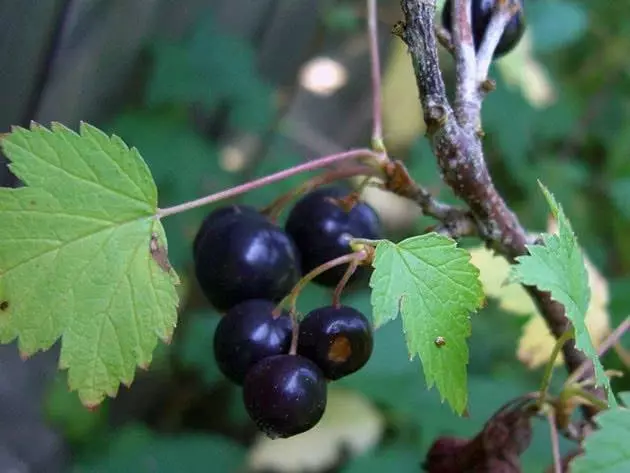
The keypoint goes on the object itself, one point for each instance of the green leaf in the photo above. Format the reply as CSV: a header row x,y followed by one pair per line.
x,y
558,266
606,450
185,166
76,259
137,449
435,287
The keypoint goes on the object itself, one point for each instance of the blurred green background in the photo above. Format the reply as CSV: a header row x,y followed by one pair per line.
x,y
216,93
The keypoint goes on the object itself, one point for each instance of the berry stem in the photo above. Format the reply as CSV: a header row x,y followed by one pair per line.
x,y
352,267
375,63
263,181
295,333
291,298
274,209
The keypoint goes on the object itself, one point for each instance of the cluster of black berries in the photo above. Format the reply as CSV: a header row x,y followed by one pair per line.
x,y
481,15
245,265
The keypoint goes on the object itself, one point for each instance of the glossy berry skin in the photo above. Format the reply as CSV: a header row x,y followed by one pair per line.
x,y
322,230
248,333
240,255
285,395
339,340
222,216
481,15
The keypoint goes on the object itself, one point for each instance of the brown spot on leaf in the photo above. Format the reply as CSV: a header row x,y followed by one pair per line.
x,y
159,253
4,306
340,350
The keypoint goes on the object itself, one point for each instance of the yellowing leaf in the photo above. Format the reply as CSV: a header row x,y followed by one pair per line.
x,y
350,425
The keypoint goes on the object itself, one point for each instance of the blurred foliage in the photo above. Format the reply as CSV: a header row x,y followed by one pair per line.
x,y
206,120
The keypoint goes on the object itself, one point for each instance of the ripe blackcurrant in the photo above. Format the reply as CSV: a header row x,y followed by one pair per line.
x,y
222,216
248,333
240,255
285,395
322,230
481,15
338,339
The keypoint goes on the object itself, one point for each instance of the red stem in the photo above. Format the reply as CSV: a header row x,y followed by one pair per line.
x,y
274,209
352,267
375,62
263,181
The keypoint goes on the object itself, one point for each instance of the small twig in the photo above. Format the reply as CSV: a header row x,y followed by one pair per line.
x,y
466,92
455,222
606,345
555,444
264,181
502,15
375,62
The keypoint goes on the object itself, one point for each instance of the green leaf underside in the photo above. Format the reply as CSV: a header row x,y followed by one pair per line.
x,y
434,286
558,266
75,259
606,449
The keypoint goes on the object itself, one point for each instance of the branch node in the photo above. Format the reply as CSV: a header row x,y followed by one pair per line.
x,y
399,30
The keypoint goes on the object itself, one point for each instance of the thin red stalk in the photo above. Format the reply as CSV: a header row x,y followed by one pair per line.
x,y
352,267
291,298
377,107
263,181
273,210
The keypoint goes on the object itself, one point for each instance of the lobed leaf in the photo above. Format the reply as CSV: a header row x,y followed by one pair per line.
x,y
434,286
558,266
82,256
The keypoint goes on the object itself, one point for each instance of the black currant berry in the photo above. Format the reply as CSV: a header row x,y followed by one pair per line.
x,y
285,395
248,333
338,339
481,15
240,255
322,230
222,216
